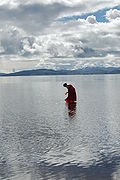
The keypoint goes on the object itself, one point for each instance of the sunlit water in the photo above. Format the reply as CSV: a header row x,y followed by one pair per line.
x,y
41,137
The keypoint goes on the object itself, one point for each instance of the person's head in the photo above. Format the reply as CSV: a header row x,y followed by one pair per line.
x,y
65,85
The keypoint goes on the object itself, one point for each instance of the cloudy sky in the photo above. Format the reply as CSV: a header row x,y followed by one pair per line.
x,y
59,34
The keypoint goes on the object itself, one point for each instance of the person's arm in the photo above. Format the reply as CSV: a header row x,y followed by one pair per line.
x,y
66,93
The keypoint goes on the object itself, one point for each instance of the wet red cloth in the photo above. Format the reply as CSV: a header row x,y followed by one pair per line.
x,y
71,94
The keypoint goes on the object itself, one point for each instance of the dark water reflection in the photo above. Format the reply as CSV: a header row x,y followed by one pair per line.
x,y
41,137
71,108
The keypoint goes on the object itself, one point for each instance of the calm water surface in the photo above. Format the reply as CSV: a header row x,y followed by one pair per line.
x,y
43,138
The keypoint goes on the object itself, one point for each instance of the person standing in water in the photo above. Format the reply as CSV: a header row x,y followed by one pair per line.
x,y
71,93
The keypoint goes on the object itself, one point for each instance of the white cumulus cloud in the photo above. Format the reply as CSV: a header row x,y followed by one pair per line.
x,y
112,14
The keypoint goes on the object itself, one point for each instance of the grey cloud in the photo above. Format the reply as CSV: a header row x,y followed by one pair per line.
x,y
10,41
13,42
59,46
91,19
32,18
36,16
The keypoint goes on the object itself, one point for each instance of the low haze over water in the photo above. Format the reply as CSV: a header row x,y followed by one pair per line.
x,y
43,138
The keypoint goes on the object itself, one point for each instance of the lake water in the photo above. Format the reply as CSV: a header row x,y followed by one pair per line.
x,y
43,138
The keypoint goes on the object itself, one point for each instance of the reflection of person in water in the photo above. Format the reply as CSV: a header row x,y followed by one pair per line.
x,y
71,93
72,109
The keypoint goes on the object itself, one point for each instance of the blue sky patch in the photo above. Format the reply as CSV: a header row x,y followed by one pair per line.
x,y
100,15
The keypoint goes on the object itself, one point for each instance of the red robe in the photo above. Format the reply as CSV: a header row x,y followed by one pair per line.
x,y
71,94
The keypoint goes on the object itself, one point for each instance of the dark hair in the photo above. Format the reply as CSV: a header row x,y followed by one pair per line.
x,y
65,84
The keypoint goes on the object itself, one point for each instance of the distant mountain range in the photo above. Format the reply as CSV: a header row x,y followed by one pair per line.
x,y
87,70
2,74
